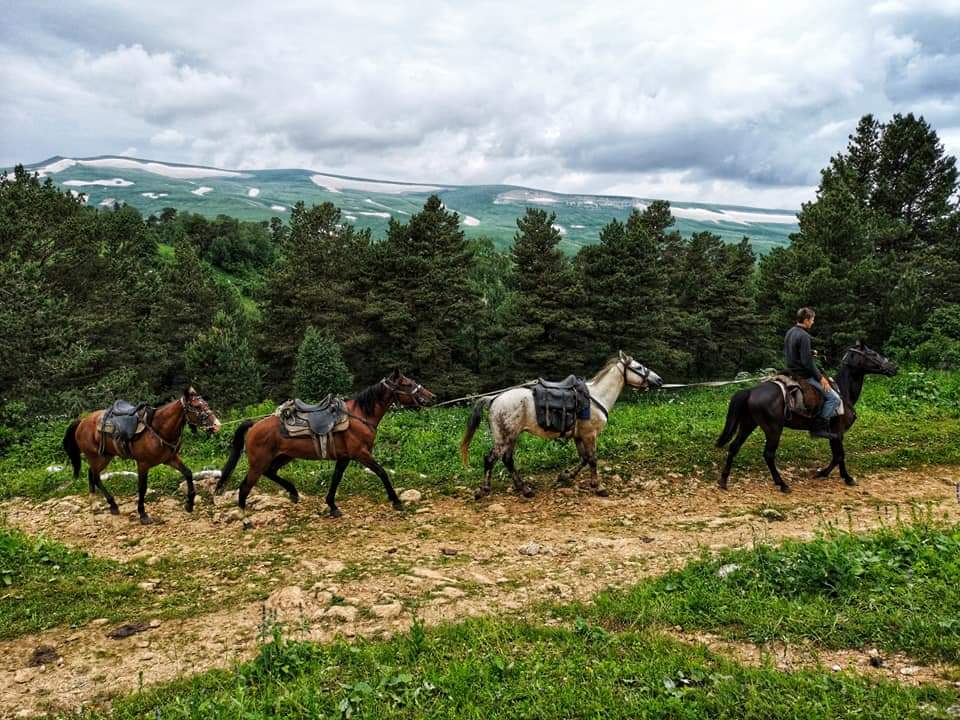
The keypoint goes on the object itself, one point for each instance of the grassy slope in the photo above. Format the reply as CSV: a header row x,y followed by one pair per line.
x,y
909,420
489,668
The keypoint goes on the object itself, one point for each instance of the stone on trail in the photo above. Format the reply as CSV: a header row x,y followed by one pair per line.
x,y
344,613
531,549
387,610
428,574
128,629
411,496
452,592
496,509
285,600
448,551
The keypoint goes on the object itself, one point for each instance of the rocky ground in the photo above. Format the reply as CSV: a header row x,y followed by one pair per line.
x,y
373,571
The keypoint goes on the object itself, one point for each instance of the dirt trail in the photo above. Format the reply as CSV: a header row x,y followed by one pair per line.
x,y
372,571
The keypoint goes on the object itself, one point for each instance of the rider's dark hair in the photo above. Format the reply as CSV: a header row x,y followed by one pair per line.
x,y
805,313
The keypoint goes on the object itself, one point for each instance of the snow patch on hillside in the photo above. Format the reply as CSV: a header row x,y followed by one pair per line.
x,y
202,190
336,184
375,214
559,228
253,192
113,182
180,172
154,196
278,208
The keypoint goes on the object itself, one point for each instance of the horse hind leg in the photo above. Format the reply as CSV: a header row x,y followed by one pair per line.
x,y
770,456
836,450
489,461
520,485
738,441
271,473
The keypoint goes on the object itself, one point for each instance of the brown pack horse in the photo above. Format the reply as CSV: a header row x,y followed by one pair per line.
x,y
158,444
268,450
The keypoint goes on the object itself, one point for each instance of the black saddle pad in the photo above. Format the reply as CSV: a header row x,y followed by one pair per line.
x,y
122,407
560,404
122,419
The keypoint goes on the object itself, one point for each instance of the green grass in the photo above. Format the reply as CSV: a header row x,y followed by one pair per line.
x,y
488,669
907,421
44,584
895,589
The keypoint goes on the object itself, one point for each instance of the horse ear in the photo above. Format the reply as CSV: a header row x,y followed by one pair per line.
x,y
395,374
860,343
623,357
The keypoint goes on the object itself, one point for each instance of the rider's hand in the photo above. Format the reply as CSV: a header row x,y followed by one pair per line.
x,y
826,383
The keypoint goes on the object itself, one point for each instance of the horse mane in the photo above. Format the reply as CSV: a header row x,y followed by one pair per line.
x,y
606,366
367,398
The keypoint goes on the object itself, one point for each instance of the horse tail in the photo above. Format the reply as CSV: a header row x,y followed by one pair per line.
x,y
71,447
472,424
738,404
239,438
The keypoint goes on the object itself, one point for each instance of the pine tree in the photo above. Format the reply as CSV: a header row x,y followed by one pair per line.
x,y
628,284
221,362
422,303
545,330
319,280
320,368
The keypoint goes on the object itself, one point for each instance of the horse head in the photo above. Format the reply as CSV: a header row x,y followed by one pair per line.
x,y
637,375
198,411
407,391
868,361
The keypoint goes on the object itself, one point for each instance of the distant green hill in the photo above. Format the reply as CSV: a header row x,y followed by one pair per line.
x,y
486,210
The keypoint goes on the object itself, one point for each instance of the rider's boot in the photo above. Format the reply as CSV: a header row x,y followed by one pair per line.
x,y
821,429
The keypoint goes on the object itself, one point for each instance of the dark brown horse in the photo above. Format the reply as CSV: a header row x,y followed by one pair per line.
x,y
158,444
763,406
268,450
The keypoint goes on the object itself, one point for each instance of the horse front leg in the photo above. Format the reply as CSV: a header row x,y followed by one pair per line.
x,y
836,450
142,470
571,475
334,484
177,464
590,448
368,462
841,456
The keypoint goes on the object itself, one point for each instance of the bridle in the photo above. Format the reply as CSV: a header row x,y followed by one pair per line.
x,y
645,375
397,390
200,416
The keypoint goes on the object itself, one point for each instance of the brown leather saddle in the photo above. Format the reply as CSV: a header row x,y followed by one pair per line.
x,y
298,419
799,396
123,422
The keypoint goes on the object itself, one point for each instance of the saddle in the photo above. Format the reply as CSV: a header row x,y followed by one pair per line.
x,y
299,419
799,396
123,421
560,404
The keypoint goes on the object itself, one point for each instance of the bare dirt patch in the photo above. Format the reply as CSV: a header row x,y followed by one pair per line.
x,y
371,572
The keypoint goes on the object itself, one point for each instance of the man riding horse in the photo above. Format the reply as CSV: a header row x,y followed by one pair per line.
x,y
799,358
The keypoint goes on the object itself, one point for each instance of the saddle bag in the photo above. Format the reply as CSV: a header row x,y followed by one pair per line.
x,y
559,405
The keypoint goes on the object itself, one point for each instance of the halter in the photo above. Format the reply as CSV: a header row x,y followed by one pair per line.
x,y
397,390
645,375
200,416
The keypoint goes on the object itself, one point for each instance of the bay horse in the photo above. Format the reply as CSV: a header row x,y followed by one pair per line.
x,y
268,451
512,413
158,444
763,406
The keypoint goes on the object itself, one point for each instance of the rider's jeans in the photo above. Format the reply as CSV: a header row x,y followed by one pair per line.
x,y
831,400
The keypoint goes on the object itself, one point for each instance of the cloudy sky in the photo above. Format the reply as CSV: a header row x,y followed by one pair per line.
x,y
717,102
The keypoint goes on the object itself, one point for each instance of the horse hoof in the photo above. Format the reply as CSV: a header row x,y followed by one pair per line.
x,y
114,510
722,484
146,519
188,506
528,492
247,525
785,489
335,512
479,494
850,481
397,505
601,492
294,498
